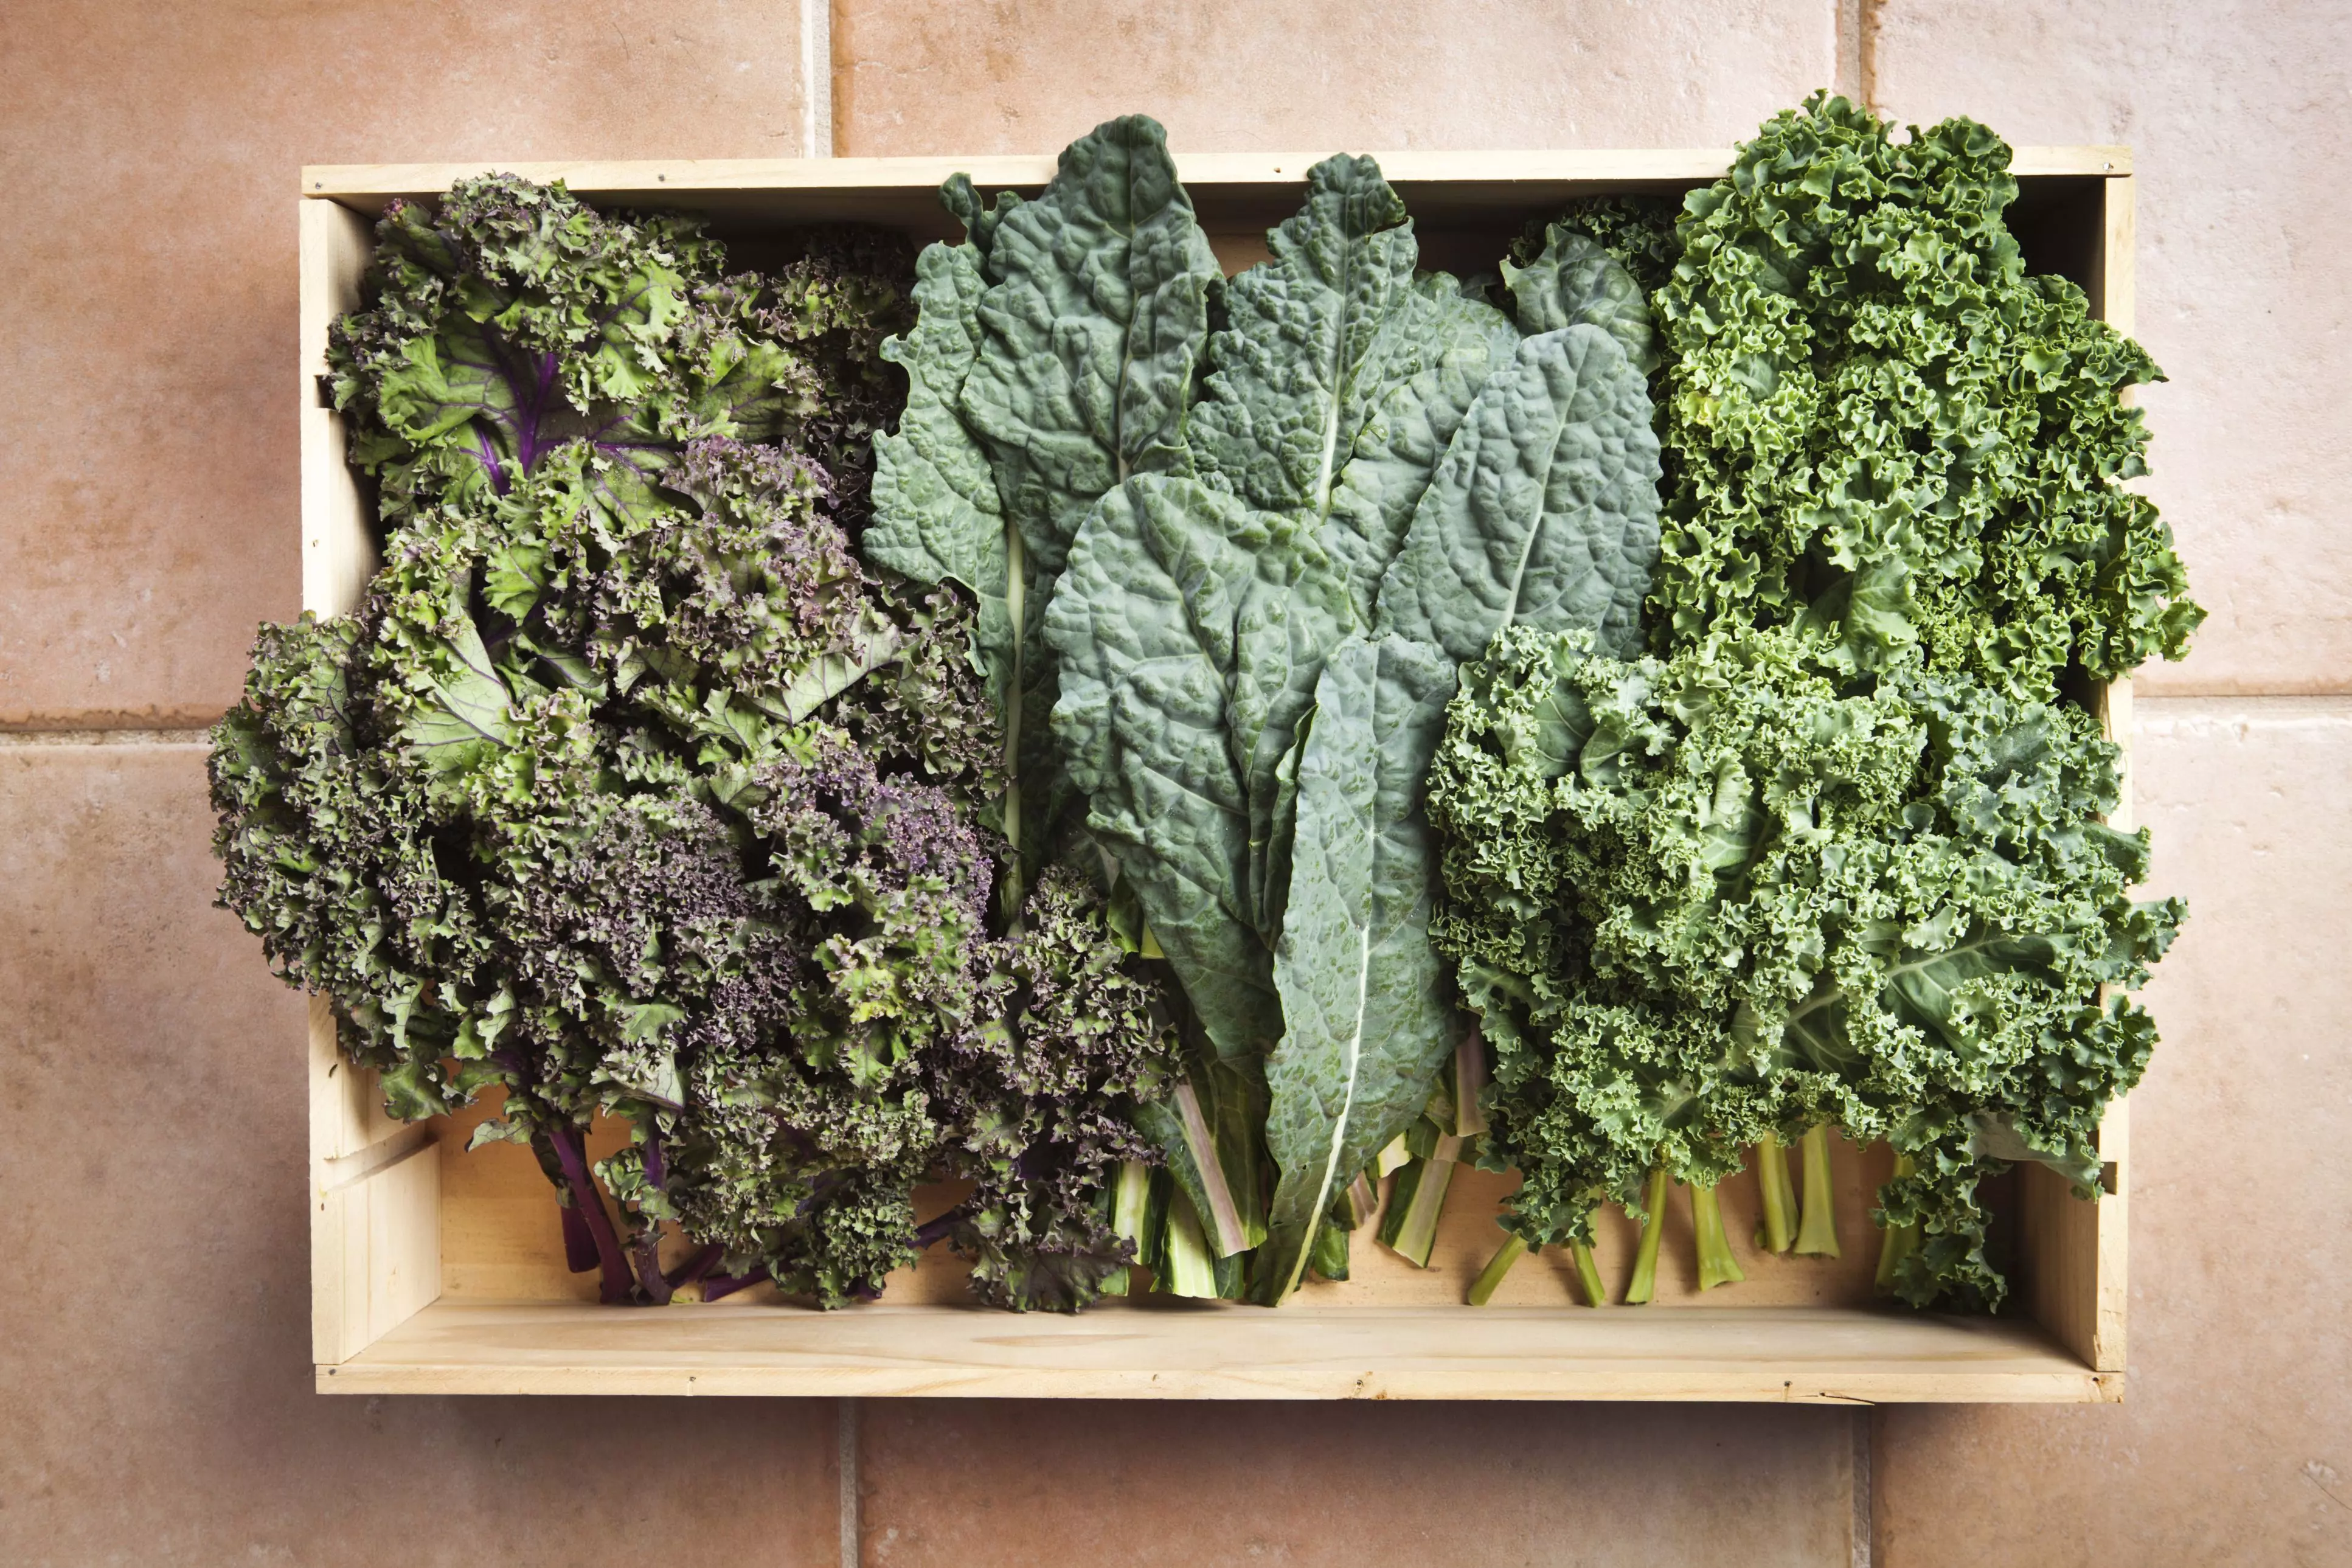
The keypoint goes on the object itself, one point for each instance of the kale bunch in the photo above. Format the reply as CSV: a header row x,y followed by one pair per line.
x,y
629,790
1705,902
1883,427
1835,855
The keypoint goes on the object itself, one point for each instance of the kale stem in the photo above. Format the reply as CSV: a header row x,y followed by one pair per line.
x,y
645,1250
572,1156
1588,1274
1817,1232
1482,1289
696,1267
1016,586
1901,1241
1191,1269
1417,1200
1716,1264
725,1285
1780,1197
933,1231
1644,1283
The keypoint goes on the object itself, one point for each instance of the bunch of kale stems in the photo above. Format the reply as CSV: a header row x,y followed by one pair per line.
x,y
1232,739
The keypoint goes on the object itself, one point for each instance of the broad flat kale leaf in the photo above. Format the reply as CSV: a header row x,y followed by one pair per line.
x,y
1544,512
1365,1007
1342,372
1573,281
1091,327
1050,360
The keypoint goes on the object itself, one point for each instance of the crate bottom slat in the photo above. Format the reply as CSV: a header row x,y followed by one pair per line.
x,y
1178,1351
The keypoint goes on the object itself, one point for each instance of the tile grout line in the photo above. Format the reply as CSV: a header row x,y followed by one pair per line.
x,y
109,735
1864,1529
852,1539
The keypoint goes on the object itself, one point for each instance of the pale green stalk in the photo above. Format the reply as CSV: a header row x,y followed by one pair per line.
x,y
1716,1264
1901,1241
1588,1274
1411,1230
1779,1229
1817,1232
1131,1213
1482,1289
1191,1271
1644,1283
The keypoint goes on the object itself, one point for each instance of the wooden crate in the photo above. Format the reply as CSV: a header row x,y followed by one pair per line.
x,y
434,1270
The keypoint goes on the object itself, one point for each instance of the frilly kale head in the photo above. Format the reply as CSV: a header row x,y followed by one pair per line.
x,y
1878,424
665,807
510,320
1703,899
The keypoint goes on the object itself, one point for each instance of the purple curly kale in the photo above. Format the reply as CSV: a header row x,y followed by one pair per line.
x,y
629,792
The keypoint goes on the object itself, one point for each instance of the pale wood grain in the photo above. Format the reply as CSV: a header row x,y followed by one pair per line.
x,y
1210,1351
437,1270
1434,184
2074,1254
375,1251
338,547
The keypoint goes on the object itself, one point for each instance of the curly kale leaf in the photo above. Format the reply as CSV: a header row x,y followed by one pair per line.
x,y
1706,897
1883,426
513,321
673,811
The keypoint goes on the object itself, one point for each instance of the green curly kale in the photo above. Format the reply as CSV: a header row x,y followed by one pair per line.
x,y
1705,899
629,790
1881,425
1836,858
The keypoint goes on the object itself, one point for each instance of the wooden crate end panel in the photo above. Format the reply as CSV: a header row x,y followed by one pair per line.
x,y
376,1250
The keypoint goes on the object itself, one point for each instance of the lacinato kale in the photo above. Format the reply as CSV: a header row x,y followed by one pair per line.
x,y
629,790
1236,534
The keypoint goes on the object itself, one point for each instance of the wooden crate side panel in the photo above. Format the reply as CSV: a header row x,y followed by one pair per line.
x,y
375,1216
338,549
2076,1255
681,179
379,1234
1171,1351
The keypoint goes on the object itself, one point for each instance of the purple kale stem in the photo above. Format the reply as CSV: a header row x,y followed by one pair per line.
x,y
572,1155
650,1278
579,1245
534,411
696,1267
726,1285
488,455
933,1232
